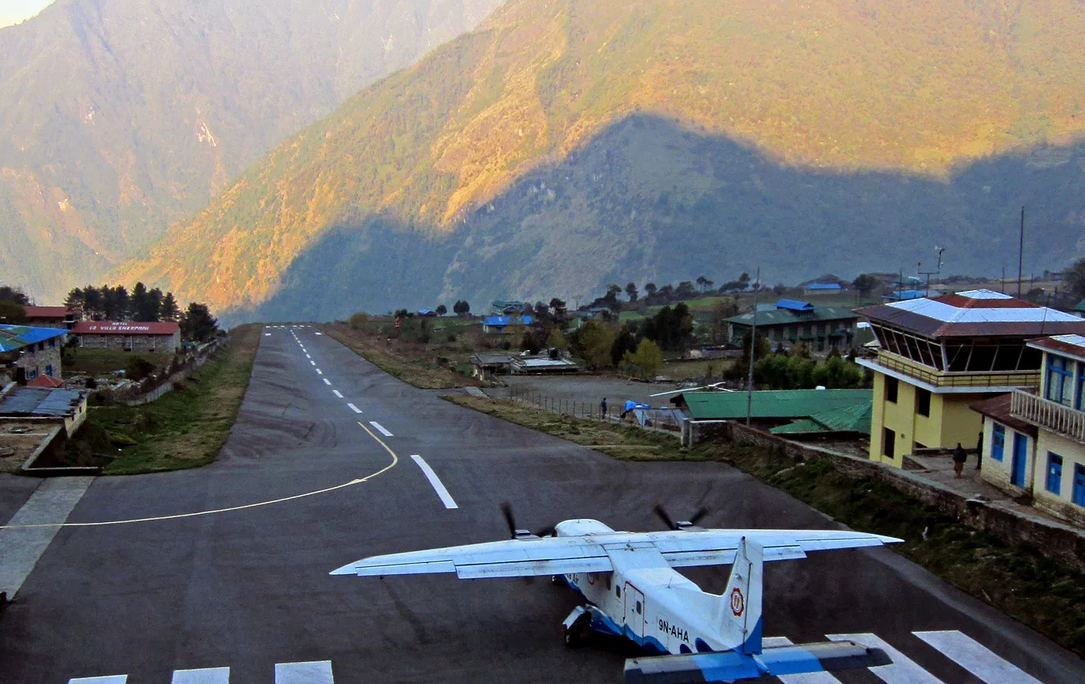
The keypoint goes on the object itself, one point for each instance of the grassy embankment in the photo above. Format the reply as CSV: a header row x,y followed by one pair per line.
x,y
101,362
184,428
1016,580
427,365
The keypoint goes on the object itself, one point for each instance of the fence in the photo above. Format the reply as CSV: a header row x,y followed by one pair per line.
x,y
154,387
668,419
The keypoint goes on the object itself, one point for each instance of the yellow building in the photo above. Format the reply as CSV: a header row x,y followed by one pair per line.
x,y
939,355
1034,443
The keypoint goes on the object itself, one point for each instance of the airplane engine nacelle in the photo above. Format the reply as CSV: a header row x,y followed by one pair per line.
x,y
580,527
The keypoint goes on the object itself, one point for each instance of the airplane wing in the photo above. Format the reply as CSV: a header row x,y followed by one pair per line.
x,y
510,558
588,553
689,548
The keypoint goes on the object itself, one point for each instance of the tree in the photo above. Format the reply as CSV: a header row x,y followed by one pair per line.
x,y
13,294
74,300
685,290
1073,280
197,324
631,291
144,306
12,313
720,313
650,289
645,361
555,340
865,284
169,311
358,320
611,296
744,280
461,308
441,309
558,310
779,289
116,303
594,340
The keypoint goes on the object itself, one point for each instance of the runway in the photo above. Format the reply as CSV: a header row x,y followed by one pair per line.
x,y
220,574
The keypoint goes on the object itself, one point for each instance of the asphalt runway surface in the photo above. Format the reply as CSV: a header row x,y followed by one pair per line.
x,y
303,486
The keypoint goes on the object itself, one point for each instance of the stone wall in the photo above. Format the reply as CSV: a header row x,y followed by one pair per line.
x,y
37,362
1060,542
141,343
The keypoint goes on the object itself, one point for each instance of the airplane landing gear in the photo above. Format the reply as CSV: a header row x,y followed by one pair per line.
x,y
577,628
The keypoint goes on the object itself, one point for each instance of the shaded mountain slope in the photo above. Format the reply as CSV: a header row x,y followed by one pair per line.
x,y
846,87
120,117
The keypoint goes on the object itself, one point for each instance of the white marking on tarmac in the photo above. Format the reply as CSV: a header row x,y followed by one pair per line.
x,y
327,382
976,658
308,357
319,372
312,362
336,393
435,482
354,408
902,671
110,679
207,675
316,672
381,428
49,505
805,678
319,334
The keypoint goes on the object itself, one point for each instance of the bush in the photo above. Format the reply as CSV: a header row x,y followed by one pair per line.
x,y
358,320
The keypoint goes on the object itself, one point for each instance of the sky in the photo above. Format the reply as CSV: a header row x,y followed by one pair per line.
x,y
14,11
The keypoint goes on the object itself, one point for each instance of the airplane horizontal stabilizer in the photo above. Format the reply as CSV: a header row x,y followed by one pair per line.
x,y
729,666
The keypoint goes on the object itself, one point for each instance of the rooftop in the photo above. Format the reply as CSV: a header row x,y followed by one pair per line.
x,y
13,337
40,401
47,311
1068,345
974,313
790,311
125,328
850,418
774,404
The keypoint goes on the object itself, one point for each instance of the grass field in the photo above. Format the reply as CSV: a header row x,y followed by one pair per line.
x,y
100,362
416,363
185,428
1016,580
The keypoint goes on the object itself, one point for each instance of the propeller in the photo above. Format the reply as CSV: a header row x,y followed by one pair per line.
x,y
518,532
681,524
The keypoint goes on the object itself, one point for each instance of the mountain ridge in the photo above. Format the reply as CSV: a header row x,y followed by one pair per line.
x,y
844,87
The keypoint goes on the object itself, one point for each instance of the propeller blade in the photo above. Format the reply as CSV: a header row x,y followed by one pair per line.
x,y
659,510
699,515
506,510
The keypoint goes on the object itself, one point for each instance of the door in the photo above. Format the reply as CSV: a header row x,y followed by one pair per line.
x,y
1020,456
634,610
1078,495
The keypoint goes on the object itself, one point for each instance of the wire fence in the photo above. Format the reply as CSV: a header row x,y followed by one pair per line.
x,y
662,418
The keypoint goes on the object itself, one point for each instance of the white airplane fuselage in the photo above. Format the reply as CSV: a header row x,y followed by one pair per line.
x,y
648,602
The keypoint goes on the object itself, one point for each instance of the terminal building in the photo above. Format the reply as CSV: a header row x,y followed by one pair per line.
x,y
940,355
164,337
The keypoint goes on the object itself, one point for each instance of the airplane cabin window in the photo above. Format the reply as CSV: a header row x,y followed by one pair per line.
x,y
618,592
638,607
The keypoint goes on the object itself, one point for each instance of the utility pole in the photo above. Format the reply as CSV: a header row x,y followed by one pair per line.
x,y
753,348
1021,254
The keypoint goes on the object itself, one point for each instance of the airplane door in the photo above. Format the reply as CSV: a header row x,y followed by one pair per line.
x,y
634,610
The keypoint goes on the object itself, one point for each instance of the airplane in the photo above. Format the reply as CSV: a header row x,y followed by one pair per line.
x,y
631,589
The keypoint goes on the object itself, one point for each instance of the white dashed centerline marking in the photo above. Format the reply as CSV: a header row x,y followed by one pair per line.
x,y
380,428
354,408
207,675
319,372
976,658
318,672
327,382
312,362
434,481
111,679
336,393
308,357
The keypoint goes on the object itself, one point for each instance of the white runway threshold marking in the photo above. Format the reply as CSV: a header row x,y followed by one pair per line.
x,y
51,502
435,482
207,675
976,658
336,393
317,672
377,426
806,678
327,382
902,671
111,679
354,408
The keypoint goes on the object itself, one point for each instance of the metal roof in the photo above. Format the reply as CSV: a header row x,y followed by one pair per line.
x,y
794,305
770,404
1068,345
787,316
823,286
46,311
13,337
40,401
850,418
125,328
974,314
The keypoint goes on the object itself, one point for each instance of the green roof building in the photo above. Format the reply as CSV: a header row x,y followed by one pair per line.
x,y
821,327
774,405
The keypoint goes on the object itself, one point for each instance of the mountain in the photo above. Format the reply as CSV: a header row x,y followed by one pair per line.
x,y
120,117
565,144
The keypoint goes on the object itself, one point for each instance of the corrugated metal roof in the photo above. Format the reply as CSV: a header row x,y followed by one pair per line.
x,y
787,316
46,311
823,286
125,328
14,337
40,401
851,418
770,404
794,305
1070,345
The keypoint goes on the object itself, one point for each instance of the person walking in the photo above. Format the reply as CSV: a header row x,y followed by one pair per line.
x,y
979,452
603,408
959,457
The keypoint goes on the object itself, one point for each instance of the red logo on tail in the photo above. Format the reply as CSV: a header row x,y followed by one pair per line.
x,y
738,603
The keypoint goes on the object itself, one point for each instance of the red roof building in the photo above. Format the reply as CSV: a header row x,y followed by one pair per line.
x,y
52,316
129,336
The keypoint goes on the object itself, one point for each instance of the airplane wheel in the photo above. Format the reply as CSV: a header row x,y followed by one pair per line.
x,y
577,635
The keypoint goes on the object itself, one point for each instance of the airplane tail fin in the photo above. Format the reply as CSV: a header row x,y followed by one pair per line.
x,y
738,611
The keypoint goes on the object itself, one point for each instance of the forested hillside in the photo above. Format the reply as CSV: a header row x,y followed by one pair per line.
x,y
119,117
565,144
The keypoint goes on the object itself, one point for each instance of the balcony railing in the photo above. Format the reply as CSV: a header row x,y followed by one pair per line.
x,y
981,381
1048,414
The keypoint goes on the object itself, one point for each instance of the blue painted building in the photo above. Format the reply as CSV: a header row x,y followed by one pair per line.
x,y
27,352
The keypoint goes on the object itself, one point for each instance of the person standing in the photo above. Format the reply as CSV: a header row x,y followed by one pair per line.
x,y
603,408
979,451
959,457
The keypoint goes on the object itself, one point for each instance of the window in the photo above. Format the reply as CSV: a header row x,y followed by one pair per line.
x,y
49,370
1054,473
889,439
1060,380
891,389
1078,403
618,592
639,608
1078,495
998,441
923,402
